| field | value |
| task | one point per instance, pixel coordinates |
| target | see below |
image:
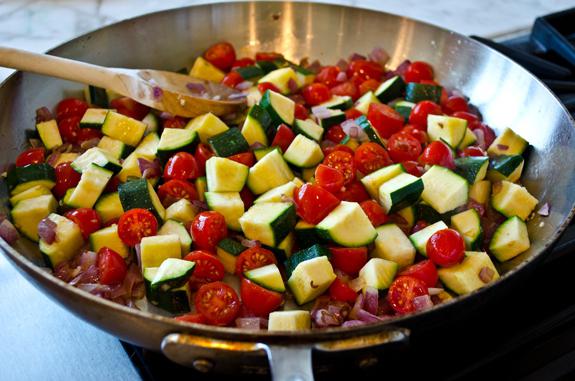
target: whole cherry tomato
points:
(419, 113)
(328, 76)
(87, 220)
(232, 79)
(70, 107)
(446, 247)
(418, 71)
(438, 153)
(129, 107)
(66, 178)
(365, 70)
(420, 135)
(384, 119)
(208, 228)
(403, 147)
(222, 55)
(335, 134)
(31, 156)
(455, 104)
(69, 129)
(316, 93)
(175, 122)
(181, 166)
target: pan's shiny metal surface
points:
(506, 94)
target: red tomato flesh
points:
(218, 303)
(343, 162)
(329, 178)
(87, 220)
(446, 248)
(384, 119)
(339, 290)
(313, 203)
(402, 292)
(259, 300)
(438, 153)
(403, 147)
(254, 258)
(222, 55)
(66, 178)
(424, 270)
(181, 166)
(111, 266)
(208, 268)
(370, 157)
(208, 228)
(284, 137)
(31, 156)
(136, 224)
(349, 260)
(374, 212)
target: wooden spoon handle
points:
(58, 67)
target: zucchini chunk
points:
(347, 225)
(465, 277)
(269, 277)
(201, 184)
(468, 224)
(369, 130)
(173, 273)
(99, 157)
(94, 118)
(512, 199)
(404, 109)
(113, 147)
(303, 152)
(281, 109)
(175, 300)
(206, 126)
(140, 194)
(378, 273)
(420, 238)
(310, 279)
(280, 79)
(417, 92)
(480, 191)
(468, 139)
(109, 207)
(92, 183)
(284, 249)
(331, 118)
(472, 168)
(250, 72)
(268, 223)
(400, 191)
(228, 143)
(123, 128)
(506, 168)
(227, 252)
(155, 249)
(362, 104)
(443, 189)
(309, 129)
(64, 158)
(289, 321)
(256, 126)
(225, 175)
(35, 191)
(108, 237)
(390, 89)
(392, 244)
(449, 129)
(374, 180)
(510, 239)
(508, 143)
(305, 234)
(49, 134)
(270, 172)
(28, 213)
(338, 102)
(67, 243)
(182, 211)
(229, 204)
(96, 96)
(278, 194)
(175, 140)
(300, 256)
(152, 123)
(177, 228)
(21, 179)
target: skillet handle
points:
(288, 362)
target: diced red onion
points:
(199, 206)
(52, 159)
(150, 169)
(327, 144)
(371, 297)
(341, 76)
(367, 317)
(249, 242)
(95, 288)
(249, 323)
(402, 67)
(43, 114)
(356, 56)
(87, 259)
(64, 148)
(297, 98)
(244, 85)
(314, 67)
(486, 274)
(237, 96)
(502, 147)
(321, 112)
(195, 87)
(91, 143)
(157, 92)
(257, 145)
(422, 302)
(217, 97)
(329, 313)
(128, 285)
(138, 249)
(342, 64)
(357, 306)
(434, 290)
(47, 230)
(480, 135)
(90, 275)
(353, 130)
(544, 210)
(353, 323)
(8, 232)
(166, 115)
(292, 85)
(286, 198)
(379, 55)
(480, 208)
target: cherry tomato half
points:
(329, 178)
(181, 166)
(455, 104)
(202, 154)
(374, 212)
(69, 129)
(253, 258)
(243, 62)
(346, 88)
(339, 290)
(208, 268)
(66, 178)
(208, 228)
(316, 93)
(420, 135)
(284, 137)
(438, 153)
(111, 266)
(136, 224)
(365, 70)
(313, 203)
(349, 260)
(352, 113)
(469, 117)
(259, 300)
(343, 162)
(129, 107)
(222, 55)
(353, 192)
(368, 85)
(419, 113)
(370, 157)
(265, 86)
(384, 119)
(328, 76)
(31, 156)
(218, 303)
(446, 247)
(301, 112)
(472, 151)
(177, 190)
(424, 270)
(87, 220)
(269, 56)
(418, 71)
(232, 79)
(402, 292)
(174, 122)
(403, 147)
(86, 134)
(245, 158)
(70, 107)
(335, 134)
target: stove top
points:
(530, 335)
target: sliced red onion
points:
(47, 230)
(356, 56)
(327, 144)
(237, 96)
(371, 298)
(321, 112)
(199, 206)
(52, 159)
(367, 317)
(129, 284)
(256, 145)
(353, 323)
(402, 67)
(87, 259)
(297, 98)
(101, 290)
(379, 55)
(91, 143)
(157, 92)
(43, 114)
(486, 274)
(195, 87)
(480, 208)
(480, 135)
(217, 97)
(434, 290)
(341, 76)
(8, 232)
(244, 85)
(329, 313)
(90, 275)
(64, 148)
(249, 323)
(292, 85)
(342, 64)
(35, 143)
(358, 305)
(138, 250)
(150, 169)
(544, 210)
(422, 302)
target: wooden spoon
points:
(177, 94)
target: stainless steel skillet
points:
(506, 94)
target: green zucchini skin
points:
(135, 194)
(469, 167)
(305, 255)
(391, 89)
(228, 143)
(250, 72)
(417, 92)
(32, 172)
(506, 164)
